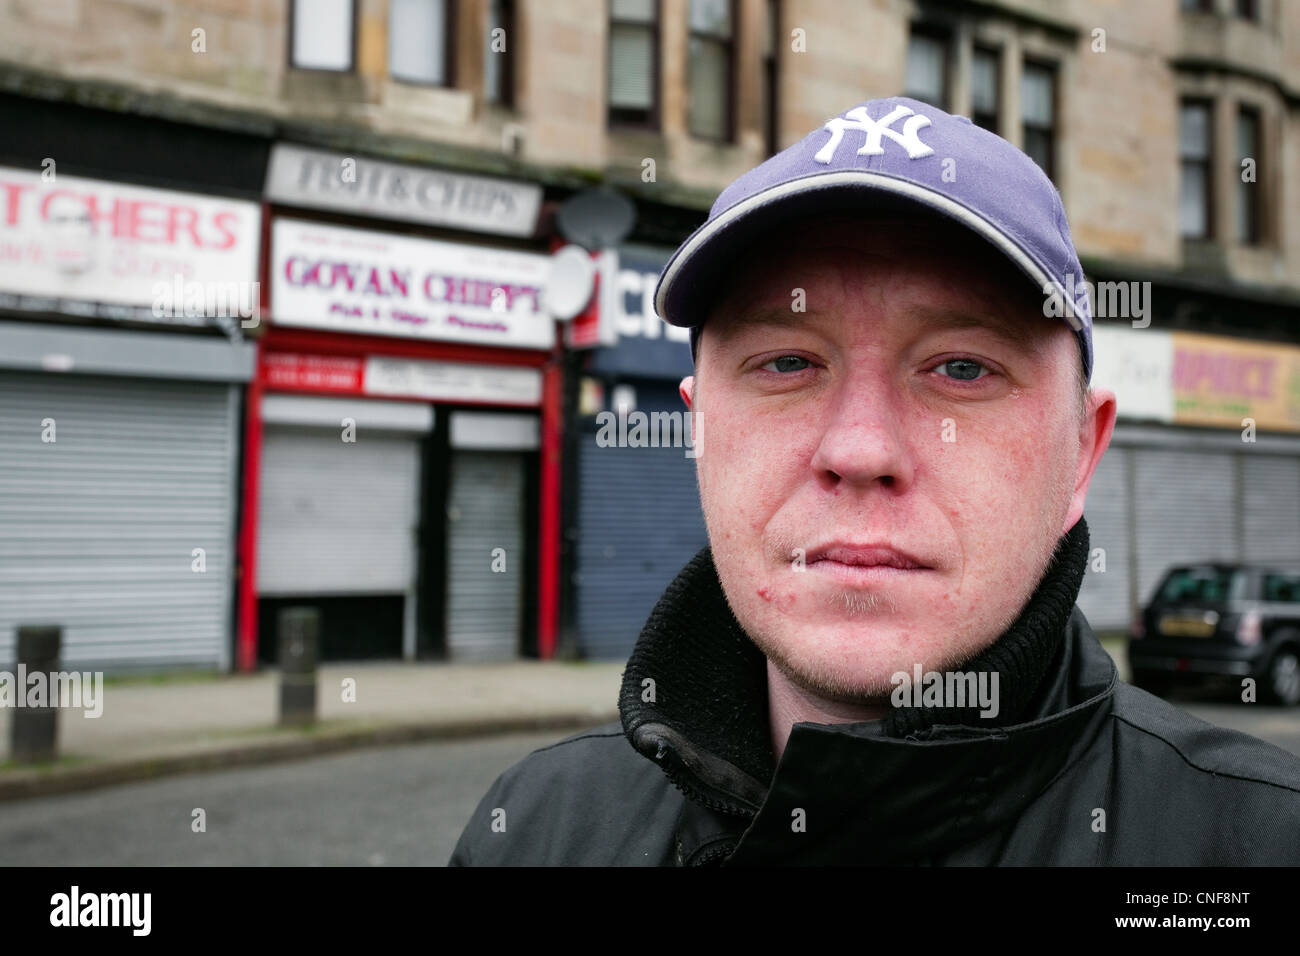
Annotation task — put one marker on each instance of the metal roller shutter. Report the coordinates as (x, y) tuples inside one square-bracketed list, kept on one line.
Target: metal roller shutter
[(1270, 492), (640, 522), (98, 528), (1104, 597), (485, 511), (337, 517), (1186, 508)]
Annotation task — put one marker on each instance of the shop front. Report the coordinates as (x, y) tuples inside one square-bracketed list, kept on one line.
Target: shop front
[(122, 367), (1204, 464), (637, 509), (394, 469)]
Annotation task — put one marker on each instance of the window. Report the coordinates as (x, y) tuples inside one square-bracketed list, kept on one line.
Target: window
[(1038, 114), (419, 41), (772, 43), (1196, 6), (711, 51), (1247, 9), (321, 35), (498, 54), (1203, 584), (1282, 587), (984, 88), (926, 77), (1194, 172), (634, 62), (1248, 205)]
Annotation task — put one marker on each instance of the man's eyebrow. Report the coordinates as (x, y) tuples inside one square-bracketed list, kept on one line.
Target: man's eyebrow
[(769, 315), (1014, 329), (739, 320)]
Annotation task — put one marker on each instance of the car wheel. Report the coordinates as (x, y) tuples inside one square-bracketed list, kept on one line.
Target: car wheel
[(1282, 682)]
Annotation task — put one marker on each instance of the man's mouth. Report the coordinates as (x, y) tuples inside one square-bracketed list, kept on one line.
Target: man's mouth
[(864, 565)]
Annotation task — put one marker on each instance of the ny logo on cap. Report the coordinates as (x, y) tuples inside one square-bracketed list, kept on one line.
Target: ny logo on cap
[(858, 119)]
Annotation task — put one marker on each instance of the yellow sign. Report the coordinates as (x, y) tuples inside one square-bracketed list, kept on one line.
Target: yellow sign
[(1221, 381)]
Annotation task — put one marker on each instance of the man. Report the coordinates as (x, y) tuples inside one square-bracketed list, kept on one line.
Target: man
[(879, 658)]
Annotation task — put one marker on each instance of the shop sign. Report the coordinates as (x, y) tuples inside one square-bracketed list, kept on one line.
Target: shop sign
[(1222, 381), (594, 325), (319, 373), (392, 377), (86, 247), (368, 187), (643, 343), (1137, 365), (453, 381), (374, 283)]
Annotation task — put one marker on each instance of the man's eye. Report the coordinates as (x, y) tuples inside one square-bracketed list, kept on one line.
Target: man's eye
[(963, 370), (787, 363)]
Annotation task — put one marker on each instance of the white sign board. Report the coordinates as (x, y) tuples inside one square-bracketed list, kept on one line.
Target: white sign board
[(328, 277), (325, 180), (89, 247), (452, 381), (1137, 365)]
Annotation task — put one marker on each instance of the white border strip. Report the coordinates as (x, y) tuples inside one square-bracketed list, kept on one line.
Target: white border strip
[(329, 412)]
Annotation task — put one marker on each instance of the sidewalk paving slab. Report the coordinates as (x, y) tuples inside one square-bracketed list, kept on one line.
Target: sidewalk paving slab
[(148, 729)]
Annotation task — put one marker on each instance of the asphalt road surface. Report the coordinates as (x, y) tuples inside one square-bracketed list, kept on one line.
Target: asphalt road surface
[(398, 806), (391, 806)]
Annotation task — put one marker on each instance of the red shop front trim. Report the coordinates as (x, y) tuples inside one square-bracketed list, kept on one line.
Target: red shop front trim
[(329, 363)]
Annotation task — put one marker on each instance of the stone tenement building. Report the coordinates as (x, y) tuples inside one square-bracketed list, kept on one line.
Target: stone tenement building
[(1142, 111)]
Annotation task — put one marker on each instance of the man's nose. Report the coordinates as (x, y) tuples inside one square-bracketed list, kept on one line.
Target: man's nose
[(864, 441)]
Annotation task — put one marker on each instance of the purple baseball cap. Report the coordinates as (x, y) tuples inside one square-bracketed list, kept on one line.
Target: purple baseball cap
[(889, 155)]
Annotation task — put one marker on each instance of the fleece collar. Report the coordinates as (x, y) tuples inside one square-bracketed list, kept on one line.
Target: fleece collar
[(903, 788)]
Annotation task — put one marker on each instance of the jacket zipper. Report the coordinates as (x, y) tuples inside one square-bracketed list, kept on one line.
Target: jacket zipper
[(722, 849), (678, 774)]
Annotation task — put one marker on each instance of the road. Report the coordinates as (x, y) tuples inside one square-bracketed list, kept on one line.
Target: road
[(390, 806), (399, 806)]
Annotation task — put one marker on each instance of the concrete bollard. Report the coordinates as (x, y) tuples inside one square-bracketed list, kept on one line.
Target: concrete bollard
[(299, 650), (35, 730)]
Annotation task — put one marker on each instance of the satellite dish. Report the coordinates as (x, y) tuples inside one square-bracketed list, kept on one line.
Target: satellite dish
[(596, 219), (571, 282)]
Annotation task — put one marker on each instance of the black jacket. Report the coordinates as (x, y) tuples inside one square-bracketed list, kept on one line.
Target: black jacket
[(1078, 769)]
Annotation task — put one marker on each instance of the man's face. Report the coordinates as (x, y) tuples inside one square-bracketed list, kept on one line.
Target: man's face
[(922, 403)]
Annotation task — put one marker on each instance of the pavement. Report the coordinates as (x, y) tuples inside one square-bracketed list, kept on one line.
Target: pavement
[(176, 724)]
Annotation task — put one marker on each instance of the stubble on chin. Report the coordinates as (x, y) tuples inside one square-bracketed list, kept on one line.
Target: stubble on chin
[(824, 682), (858, 609)]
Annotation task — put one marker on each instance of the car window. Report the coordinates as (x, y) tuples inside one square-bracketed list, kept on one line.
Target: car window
[(1282, 587), (1203, 584)]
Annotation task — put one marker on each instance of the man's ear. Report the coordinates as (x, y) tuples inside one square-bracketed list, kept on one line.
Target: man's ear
[(687, 389), (1094, 438)]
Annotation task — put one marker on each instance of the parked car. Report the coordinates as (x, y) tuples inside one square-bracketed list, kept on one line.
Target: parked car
[(1226, 620)]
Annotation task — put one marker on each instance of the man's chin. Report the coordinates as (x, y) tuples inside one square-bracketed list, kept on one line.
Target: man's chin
[(830, 671)]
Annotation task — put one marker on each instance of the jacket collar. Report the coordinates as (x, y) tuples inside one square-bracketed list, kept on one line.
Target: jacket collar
[(905, 788)]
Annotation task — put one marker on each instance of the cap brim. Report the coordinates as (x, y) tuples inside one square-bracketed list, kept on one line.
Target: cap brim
[(695, 275)]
